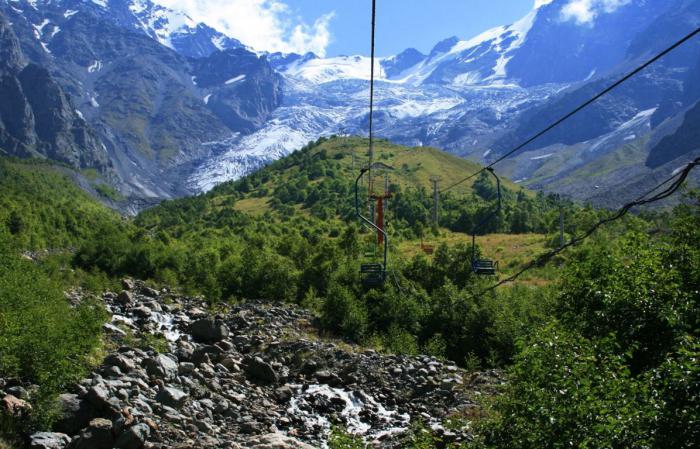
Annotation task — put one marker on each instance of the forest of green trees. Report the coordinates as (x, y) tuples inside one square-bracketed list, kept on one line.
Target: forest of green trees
[(605, 354)]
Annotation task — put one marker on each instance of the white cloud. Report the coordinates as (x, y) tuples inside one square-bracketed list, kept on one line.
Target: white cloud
[(265, 25), (585, 11)]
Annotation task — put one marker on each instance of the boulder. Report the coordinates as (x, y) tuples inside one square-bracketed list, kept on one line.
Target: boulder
[(172, 397), (151, 293), (75, 414), (15, 407), (209, 330), (48, 440), (256, 369), (277, 441), (128, 284), (99, 396), (161, 366), (134, 438), (125, 298), (124, 363), (98, 435)]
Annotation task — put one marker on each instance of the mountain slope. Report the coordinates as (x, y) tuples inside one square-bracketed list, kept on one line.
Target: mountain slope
[(117, 64), (37, 118)]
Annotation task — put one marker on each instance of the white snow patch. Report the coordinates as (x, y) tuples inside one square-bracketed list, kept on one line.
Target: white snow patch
[(79, 114), (194, 80), (206, 99), (56, 30), (102, 3), (486, 153), (235, 80), (40, 28), (46, 49), (467, 79), (544, 156), (70, 13), (93, 101), (95, 67), (630, 137), (321, 71), (218, 42)]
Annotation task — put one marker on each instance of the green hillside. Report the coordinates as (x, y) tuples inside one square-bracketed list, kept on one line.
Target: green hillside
[(620, 306), (42, 207)]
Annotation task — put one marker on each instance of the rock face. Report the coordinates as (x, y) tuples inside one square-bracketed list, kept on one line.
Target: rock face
[(264, 384), (36, 116), (114, 86)]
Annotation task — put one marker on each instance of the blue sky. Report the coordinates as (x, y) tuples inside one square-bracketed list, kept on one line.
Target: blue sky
[(407, 23), (336, 27)]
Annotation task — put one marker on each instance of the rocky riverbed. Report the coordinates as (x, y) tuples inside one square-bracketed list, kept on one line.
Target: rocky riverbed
[(255, 375)]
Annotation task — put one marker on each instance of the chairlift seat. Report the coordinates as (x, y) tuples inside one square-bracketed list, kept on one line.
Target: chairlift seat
[(484, 267), (373, 274)]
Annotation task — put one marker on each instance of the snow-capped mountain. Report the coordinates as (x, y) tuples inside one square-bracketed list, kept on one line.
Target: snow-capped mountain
[(130, 71), (180, 107), (479, 97)]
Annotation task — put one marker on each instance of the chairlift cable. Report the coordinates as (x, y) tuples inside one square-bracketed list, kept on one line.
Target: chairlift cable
[(578, 109), (640, 201)]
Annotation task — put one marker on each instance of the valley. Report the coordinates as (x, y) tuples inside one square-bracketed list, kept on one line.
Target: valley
[(199, 247)]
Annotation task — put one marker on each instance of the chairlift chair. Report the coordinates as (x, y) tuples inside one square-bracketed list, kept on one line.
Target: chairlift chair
[(485, 266), (373, 274)]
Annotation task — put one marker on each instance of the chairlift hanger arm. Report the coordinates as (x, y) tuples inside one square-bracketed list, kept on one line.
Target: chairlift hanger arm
[(498, 207), (366, 220)]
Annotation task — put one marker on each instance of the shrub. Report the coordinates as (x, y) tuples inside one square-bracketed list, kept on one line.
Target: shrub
[(42, 338)]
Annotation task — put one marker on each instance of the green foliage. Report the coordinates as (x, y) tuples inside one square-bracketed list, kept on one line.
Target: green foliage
[(619, 369), (341, 439), (42, 338), (42, 208), (568, 392)]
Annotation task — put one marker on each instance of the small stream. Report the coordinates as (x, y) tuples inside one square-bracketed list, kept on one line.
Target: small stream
[(319, 406)]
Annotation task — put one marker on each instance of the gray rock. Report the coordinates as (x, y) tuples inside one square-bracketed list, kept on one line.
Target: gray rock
[(150, 292), (128, 284), (172, 397), (98, 435), (134, 438), (209, 330), (277, 441), (124, 363), (256, 369), (48, 440), (99, 397), (125, 298), (75, 414), (161, 366)]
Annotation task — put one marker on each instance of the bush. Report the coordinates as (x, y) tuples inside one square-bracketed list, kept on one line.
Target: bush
[(566, 391), (42, 338)]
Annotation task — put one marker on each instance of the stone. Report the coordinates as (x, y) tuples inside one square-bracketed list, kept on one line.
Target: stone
[(15, 407), (209, 330), (48, 440), (151, 293), (284, 394), (75, 414), (277, 441), (98, 435), (161, 366), (124, 363), (128, 284), (172, 397), (99, 396), (125, 298), (256, 369), (113, 330), (134, 438)]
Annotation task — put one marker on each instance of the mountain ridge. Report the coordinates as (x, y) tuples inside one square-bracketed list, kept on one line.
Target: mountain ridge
[(242, 110)]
